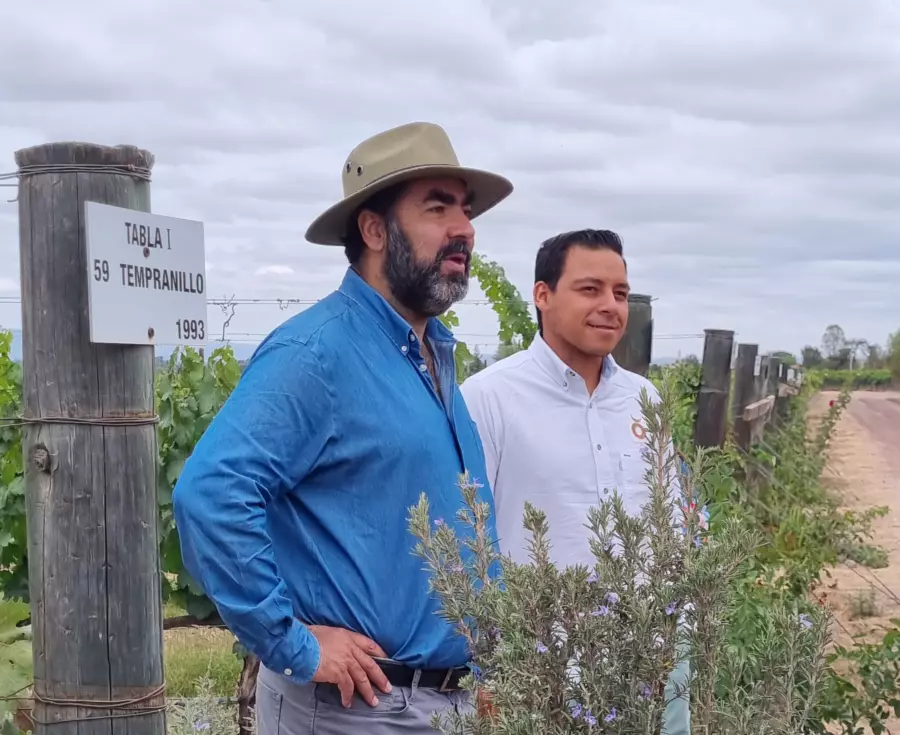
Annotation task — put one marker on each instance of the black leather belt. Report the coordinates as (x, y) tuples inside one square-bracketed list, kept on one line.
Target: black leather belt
[(444, 680)]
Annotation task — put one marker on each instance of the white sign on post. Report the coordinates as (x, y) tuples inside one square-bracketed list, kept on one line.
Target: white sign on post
[(757, 366), (146, 277)]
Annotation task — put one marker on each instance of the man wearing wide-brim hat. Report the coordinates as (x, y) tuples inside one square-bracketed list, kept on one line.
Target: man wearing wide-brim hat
[(292, 509)]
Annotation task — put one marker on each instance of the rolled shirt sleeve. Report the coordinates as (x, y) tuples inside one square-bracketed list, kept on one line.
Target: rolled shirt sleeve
[(266, 438)]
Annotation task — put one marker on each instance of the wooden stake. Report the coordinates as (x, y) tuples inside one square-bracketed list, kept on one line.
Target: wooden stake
[(93, 554), (744, 393), (634, 351), (712, 401)]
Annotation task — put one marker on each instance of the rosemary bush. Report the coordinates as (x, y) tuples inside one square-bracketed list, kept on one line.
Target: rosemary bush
[(589, 650), (203, 713)]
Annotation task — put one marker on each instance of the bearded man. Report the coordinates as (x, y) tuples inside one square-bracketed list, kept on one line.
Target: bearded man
[(292, 509)]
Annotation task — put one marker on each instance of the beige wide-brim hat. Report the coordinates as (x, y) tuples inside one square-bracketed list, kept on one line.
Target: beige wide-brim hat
[(413, 151)]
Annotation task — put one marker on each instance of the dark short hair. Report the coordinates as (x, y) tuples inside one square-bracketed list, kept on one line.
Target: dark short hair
[(381, 203), (551, 256)]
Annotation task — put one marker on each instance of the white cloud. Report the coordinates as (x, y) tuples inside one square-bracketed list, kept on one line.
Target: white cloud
[(274, 270), (748, 154)]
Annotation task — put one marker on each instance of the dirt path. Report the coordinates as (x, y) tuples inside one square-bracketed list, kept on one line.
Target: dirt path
[(864, 470)]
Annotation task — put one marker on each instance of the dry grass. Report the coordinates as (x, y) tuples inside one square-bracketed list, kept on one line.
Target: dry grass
[(193, 653)]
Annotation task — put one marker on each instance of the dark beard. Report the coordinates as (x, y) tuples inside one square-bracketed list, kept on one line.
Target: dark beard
[(420, 287)]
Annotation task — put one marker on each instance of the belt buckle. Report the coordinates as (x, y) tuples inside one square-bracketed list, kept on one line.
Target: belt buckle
[(444, 689)]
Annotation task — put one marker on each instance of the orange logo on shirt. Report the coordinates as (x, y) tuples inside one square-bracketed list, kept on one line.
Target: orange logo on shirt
[(638, 430)]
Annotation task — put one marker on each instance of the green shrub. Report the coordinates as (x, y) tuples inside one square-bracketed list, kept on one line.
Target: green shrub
[(853, 379), (582, 649)]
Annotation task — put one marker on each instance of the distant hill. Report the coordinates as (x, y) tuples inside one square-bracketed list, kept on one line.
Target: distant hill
[(241, 350)]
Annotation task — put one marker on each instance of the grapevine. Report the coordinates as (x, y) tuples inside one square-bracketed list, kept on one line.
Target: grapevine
[(517, 327), (13, 535), (189, 393)]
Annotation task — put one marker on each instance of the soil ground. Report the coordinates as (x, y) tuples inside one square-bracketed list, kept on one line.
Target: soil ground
[(863, 470)]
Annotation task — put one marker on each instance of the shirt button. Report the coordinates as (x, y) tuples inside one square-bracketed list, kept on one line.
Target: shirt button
[(288, 672), (423, 368), (412, 337), (599, 448), (404, 349)]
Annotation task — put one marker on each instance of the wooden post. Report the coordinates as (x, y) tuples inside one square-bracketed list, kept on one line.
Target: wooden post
[(712, 401), (761, 381), (783, 395), (744, 393), (772, 386), (90, 455), (634, 351)]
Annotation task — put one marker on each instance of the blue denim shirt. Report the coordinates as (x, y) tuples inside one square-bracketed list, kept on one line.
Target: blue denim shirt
[(294, 503)]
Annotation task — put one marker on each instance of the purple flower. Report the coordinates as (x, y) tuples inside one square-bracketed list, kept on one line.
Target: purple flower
[(198, 726), (438, 522), (611, 716), (541, 648), (576, 710), (671, 608), (593, 578), (612, 598), (477, 673), (590, 719), (645, 691), (601, 611), (458, 568), (804, 621)]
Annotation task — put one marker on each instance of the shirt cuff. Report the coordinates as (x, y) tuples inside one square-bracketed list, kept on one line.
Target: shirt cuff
[(297, 657)]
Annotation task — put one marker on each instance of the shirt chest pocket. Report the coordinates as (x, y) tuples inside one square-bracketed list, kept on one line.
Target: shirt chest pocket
[(630, 471)]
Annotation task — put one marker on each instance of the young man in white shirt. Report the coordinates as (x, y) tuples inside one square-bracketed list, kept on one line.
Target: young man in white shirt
[(560, 421)]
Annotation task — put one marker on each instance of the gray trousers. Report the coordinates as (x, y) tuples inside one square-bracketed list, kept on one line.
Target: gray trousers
[(286, 708)]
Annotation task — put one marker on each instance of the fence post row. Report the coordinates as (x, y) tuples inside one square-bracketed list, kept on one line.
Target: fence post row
[(763, 386), (90, 454)]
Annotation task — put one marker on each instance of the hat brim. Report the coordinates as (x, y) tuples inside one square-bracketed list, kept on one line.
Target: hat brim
[(488, 190)]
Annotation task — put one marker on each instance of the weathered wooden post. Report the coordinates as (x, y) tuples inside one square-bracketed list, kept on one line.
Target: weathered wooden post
[(715, 381), (772, 384), (744, 393), (90, 453), (635, 351), (761, 376)]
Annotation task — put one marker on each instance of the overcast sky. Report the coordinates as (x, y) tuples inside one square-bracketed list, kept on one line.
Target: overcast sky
[(748, 152)]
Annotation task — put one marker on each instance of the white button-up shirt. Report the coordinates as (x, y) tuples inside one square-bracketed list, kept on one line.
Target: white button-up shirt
[(547, 441)]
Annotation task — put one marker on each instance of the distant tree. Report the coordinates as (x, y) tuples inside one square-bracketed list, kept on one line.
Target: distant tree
[(877, 358), (785, 358), (893, 356), (833, 341), (690, 360), (838, 361), (858, 351), (811, 356), (474, 364), (505, 350)]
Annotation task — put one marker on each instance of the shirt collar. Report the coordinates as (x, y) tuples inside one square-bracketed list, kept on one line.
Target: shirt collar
[(355, 288), (558, 370)]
